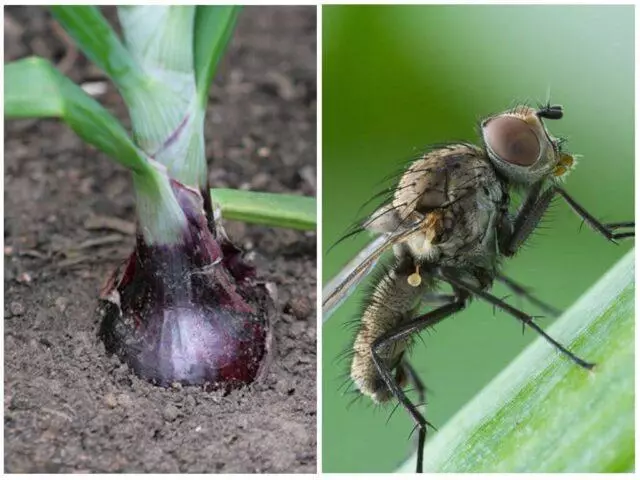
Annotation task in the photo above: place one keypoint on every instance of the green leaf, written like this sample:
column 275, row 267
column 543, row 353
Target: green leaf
column 35, row 88
column 276, row 210
column 545, row 414
column 97, row 40
column 214, row 27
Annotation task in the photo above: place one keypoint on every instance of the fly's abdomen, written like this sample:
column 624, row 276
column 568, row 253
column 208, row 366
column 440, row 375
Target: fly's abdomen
column 392, row 301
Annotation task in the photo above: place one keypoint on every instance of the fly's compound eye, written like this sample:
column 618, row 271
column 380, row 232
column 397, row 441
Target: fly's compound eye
column 512, row 140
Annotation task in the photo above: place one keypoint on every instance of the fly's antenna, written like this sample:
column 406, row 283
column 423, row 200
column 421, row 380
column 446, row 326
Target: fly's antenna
column 548, row 99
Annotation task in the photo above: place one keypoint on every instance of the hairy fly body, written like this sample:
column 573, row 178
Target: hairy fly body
column 450, row 221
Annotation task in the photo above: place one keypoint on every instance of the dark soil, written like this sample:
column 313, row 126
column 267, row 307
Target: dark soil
column 69, row 407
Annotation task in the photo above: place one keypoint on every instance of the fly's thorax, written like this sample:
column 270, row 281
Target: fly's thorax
column 455, row 192
column 393, row 300
column 426, row 185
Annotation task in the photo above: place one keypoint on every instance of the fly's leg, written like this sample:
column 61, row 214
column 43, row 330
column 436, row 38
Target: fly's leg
column 520, row 315
column 606, row 230
column 418, row 385
column 431, row 298
column 523, row 292
column 416, row 381
column 537, row 203
column 397, row 334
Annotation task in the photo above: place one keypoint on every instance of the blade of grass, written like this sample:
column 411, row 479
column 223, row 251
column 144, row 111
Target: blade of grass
column 35, row 88
column 214, row 26
column 276, row 210
column 545, row 414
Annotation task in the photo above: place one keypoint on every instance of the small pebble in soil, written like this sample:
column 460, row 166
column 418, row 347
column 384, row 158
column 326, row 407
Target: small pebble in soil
column 110, row 400
column 170, row 413
column 124, row 400
column 300, row 307
column 272, row 290
column 261, row 180
column 61, row 303
column 24, row 277
column 283, row 386
column 42, row 318
column 16, row 309
column 190, row 401
column 297, row 329
column 19, row 402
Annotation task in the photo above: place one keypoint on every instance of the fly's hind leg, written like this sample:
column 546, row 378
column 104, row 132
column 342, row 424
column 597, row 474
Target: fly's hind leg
column 520, row 315
column 402, row 332
column 416, row 381
column 523, row 292
column 420, row 388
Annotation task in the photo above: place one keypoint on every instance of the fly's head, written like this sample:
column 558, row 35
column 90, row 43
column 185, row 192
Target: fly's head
column 520, row 146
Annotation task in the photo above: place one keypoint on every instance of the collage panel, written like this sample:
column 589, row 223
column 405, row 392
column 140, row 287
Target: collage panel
column 476, row 306
column 446, row 133
column 160, row 239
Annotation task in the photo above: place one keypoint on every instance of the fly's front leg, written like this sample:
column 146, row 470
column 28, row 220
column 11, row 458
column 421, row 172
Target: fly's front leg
column 607, row 230
column 536, row 204
column 397, row 334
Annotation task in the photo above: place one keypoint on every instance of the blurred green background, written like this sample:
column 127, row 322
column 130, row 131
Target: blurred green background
column 397, row 78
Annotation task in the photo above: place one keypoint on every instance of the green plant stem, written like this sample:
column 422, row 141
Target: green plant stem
column 545, row 414
column 160, row 38
column 276, row 210
column 164, row 74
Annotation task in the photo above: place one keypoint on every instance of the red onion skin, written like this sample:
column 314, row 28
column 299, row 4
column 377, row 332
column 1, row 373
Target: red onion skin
column 190, row 312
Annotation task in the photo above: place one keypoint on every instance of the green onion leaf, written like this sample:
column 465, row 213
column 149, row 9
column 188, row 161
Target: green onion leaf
column 35, row 88
column 213, row 29
column 276, row 210
column 97, row 40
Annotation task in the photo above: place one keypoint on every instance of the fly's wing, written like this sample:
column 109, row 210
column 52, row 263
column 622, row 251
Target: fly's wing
column 338, row 289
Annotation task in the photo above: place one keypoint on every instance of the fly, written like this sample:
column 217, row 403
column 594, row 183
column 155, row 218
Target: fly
column 449, row 222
